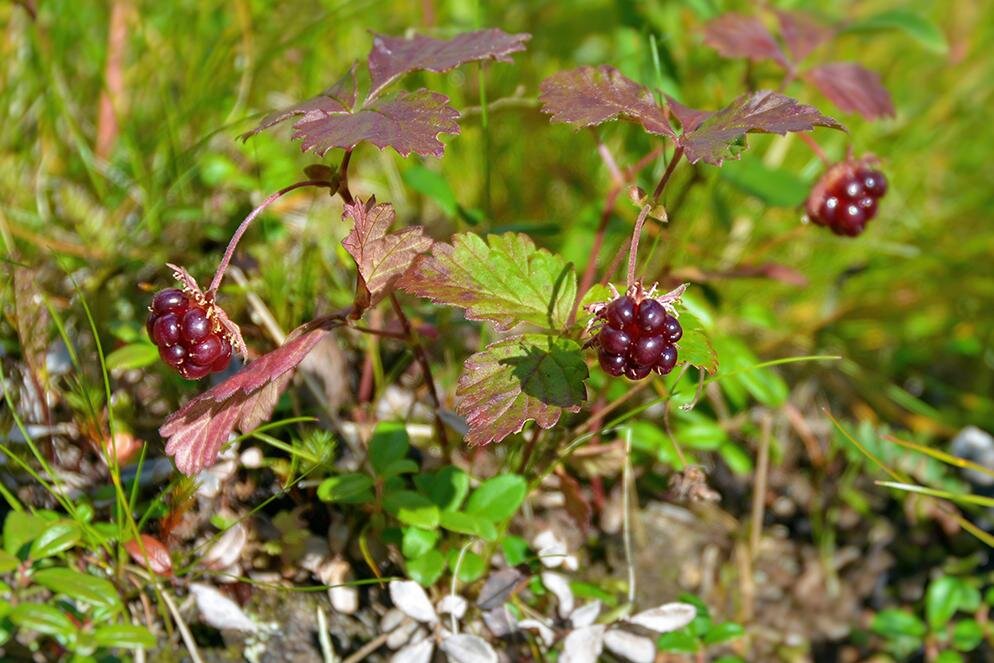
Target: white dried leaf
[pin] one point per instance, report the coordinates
(635, 648)
(452, 604)
(559, 586)
(667, 617)
(466, 648)
(402, 634)
(585, 615)
(547, 634)
(344, 599)
(419, 652)
(252, 458)
(228, 548)
(499, 621)
(584, 645)
(219, 611)
(391, 619)
(551, 549)
(411, 598)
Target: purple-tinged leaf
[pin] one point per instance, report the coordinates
(588, 96)
(505, 280)
(802, 32)
(689, 118)
(739, 36)
(196, 432)
(339, 98)
(393, 57)
(532, 376)
(715, 139)
(382, 257)
(854, 89)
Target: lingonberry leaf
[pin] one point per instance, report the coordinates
(853, 88)
(532, 376)
(382, 257)
(740, 36)
(393, 57)
(196, 432)
(720, 135)
(802, 32)
(588, 96)
(504, 279)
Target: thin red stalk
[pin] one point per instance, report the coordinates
(633, 248)
(385, 333)
(233, 243)
(815, 147)
(343, 178)
(677, 155)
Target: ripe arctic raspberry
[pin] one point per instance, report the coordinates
(845, 198)
(638, 334)
(188, 333)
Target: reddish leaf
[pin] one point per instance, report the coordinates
(156, 557)
(196, 432)
(381, 257)
(802, 32)
(393, 57)
(339, 98)
(854, 89)
(740, 36)
(689, 118)
(588, 96)
(714, 139)
(576, 503)
(532, 376)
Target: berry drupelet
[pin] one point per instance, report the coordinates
(188, 334)
(637, 337)
(846, 197)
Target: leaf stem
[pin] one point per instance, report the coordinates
(815, 147)
(233, 243)
(343, 178)
(670, 167)
(640, 221)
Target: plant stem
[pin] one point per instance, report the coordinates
(626, 490)
(815, 147)
(666, 175)
(633, 248)
(233, 243)
(485, 125)
(343, 178)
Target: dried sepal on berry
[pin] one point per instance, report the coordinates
(222, 324)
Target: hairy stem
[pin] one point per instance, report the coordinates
(633, 249)
(233, 243)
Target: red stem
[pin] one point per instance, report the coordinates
(670, 167)
(815, 147)
(633, 249)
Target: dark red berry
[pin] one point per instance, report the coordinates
(172, 354)
(206, 351)
(853, 189)
(651, 317)
(612, 364)
(170, 300)
(614, 341)
(869, 206)
(637, 372)
(667, 360)
(223, 356)
(672, 329)
(166, 330)
(196, 326)
(845, 198)
(621, 312)
(829, 210)
(646, 350)
(874, 182)
(193, 371)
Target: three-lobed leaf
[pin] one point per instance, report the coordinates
(532, 376)
(504, 279)
(740, 36)
(853, 88)
(802, 32)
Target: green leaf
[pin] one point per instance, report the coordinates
(57, 537)
(504, 279)
(124, 636)
(433, 185)
(911, 23)
(417, 541)
(133, 355)
(411, 508)
(352, 488)
(898, 624)
(680, 641)
(447, 487)
(515, 549)
(967, 635)
(695, 347)
(427, 569)
(19, 529)
(400, 466)
(43, 619)
(98, 592)
(8, 562)
(723, 632)
(498, 498)
(464, 523)
(945, 596)
(737, 458)
(532, 376)
(949, 656)
(389, 444)
(472, 567)
(776, 187)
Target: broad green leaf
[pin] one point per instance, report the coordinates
(681, 642)
(42, 618)
(124, 636)
(498, 498)
(515, 549)
(433, 185)
(945, 596)
(967, 635)
(57, 537)
(400, 466)
(78, 586)
(949, 656)
(911, 23)
(8, 562)
(417, 541)
(352, 488)
(21, 528)
(898, 624)
(504, 279)
(471, 568)
(532, 376)
(390, 443)
(473, 525)
(723, 632)
(695, 347)
(427, 569)
(737, 459)
(777, 187)
(447, 487)
(133, 355)
(738, 371)
(411, 508)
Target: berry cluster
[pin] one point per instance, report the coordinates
(188, 336)
(637, 338)
(846, 197)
